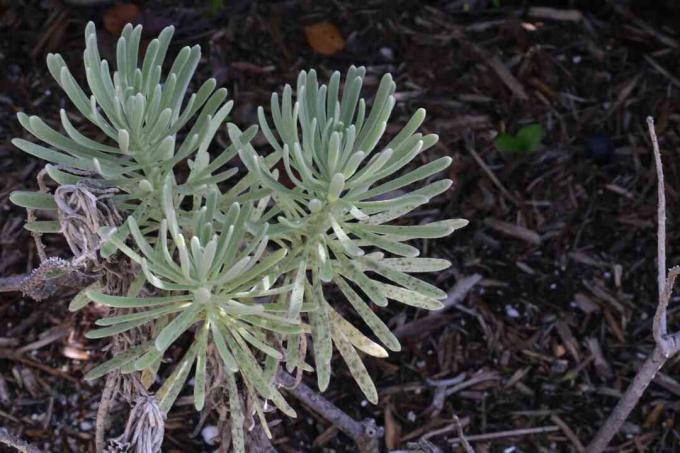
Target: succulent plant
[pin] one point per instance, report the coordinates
(345, 192)
(238, 275)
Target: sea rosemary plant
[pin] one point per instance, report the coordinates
(244, 272)
(345, 193)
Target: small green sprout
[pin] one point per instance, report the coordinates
(526, 141)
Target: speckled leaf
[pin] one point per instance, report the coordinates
(371, 319)
(172, 386)
(354, 335)
(235, 415)
(408, 297)
(356, 366)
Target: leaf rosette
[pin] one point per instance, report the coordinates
(336, 213)
(213, 285)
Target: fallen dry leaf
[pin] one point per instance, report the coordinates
(75, 353)
(392, 429)
(324, 38)
(116, 17)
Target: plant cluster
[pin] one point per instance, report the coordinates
(249, 269)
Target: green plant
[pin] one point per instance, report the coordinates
(527, 140)
(243, 272)
(344, 195)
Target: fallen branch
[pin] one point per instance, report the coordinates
(666, 345)
(16, 443)
(365, 433)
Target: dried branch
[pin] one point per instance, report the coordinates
(365, 433)
(103, 410)
(14, 442)
(12, 283)
(666, 345)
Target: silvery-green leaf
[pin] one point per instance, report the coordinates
(117, 361)
(114, 329)
(133, 302)
(429, 231)
(292, 352)
(298, 291)
(412, 265)
(322, 345)
(407, 281)
(33, 200)
(43, 226)
(141, 315)
(147, 360)
(346, 243)
(247, 363)
(356, 366)
(173, 384)
(354, 335)
(386, 243)
(369, 317)
(199, 381)
(259, 344)
(352, 272)
(81, 299)
(235, 415)
(177, 326)
(230, 364)
(409, 297)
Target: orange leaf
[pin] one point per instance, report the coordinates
(116, 17)
(324, 38)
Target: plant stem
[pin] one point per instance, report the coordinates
(666, 345)
(365, 434)
(628, 401)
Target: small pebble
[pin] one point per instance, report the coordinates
(387, 54)
(511, 312)
(210, 434)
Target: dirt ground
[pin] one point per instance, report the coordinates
(554, 281)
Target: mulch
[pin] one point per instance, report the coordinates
(553, 283)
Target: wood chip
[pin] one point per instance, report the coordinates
(514, 230)
(568, 339)
(568, 432)
(585, 303)
(545, 12)
(601, 365)
(499, 68)
(462, 287)
(667, 382)
(5, 398)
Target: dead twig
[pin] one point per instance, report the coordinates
(506, 434)
(466, 445)
(545, 12)
(16, 443)
(644, 26)
(103, 410)
(365, 433)
(571, 435)
(666, 345)
(12, 283)
(499, 68)
(515, 231)
(490, 173)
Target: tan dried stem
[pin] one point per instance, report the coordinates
(666, 345)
